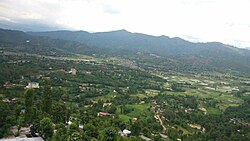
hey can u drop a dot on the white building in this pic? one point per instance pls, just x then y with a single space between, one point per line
73 71
33 85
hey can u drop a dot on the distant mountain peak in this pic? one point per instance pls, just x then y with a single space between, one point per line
117 31
122 30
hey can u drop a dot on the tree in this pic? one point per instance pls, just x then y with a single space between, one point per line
136 128
91 131
177 87
46 128
20 122
61 133
29 100
110 134
17 111
47 100
72 128
112 109
59 112
5 111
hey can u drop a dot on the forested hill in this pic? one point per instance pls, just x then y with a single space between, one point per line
195 56
13 36
161 45
19 41
149 51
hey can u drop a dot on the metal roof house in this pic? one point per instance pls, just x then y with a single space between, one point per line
33 85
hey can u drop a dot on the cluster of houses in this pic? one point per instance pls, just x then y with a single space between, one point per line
10 85
18 61
30 85
22 139
24 135
73 71
237 121
164 137
157 109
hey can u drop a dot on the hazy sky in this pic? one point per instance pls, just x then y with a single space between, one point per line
226 21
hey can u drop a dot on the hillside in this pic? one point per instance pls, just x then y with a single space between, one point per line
147 52
18 41
212 55
12 36
162 45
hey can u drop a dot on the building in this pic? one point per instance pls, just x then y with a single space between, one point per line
13 100
195 126
87 72
145 138
73 71
125 132
22 111
102 114
189 110
33 85
69 122
165 137
23 139
142 102
106 104
80 126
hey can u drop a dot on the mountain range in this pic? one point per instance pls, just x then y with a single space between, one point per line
161 45
127 44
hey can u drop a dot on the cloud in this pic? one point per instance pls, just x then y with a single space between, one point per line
191 38
30 14
31 26
208 20
109 9
5 19
197 2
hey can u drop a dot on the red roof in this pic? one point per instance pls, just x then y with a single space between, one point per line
103 114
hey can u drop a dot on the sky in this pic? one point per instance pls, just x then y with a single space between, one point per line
225 21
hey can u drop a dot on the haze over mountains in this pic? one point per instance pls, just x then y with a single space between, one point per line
162 45
122 42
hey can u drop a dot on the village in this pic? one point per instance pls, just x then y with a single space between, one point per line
90 99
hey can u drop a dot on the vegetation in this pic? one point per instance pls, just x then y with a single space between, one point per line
156 97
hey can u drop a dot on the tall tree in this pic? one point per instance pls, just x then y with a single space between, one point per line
46 128
59 112
17 111
29 100
5 111
47 100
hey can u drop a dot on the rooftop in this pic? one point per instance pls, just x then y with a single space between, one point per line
34 82
24 139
